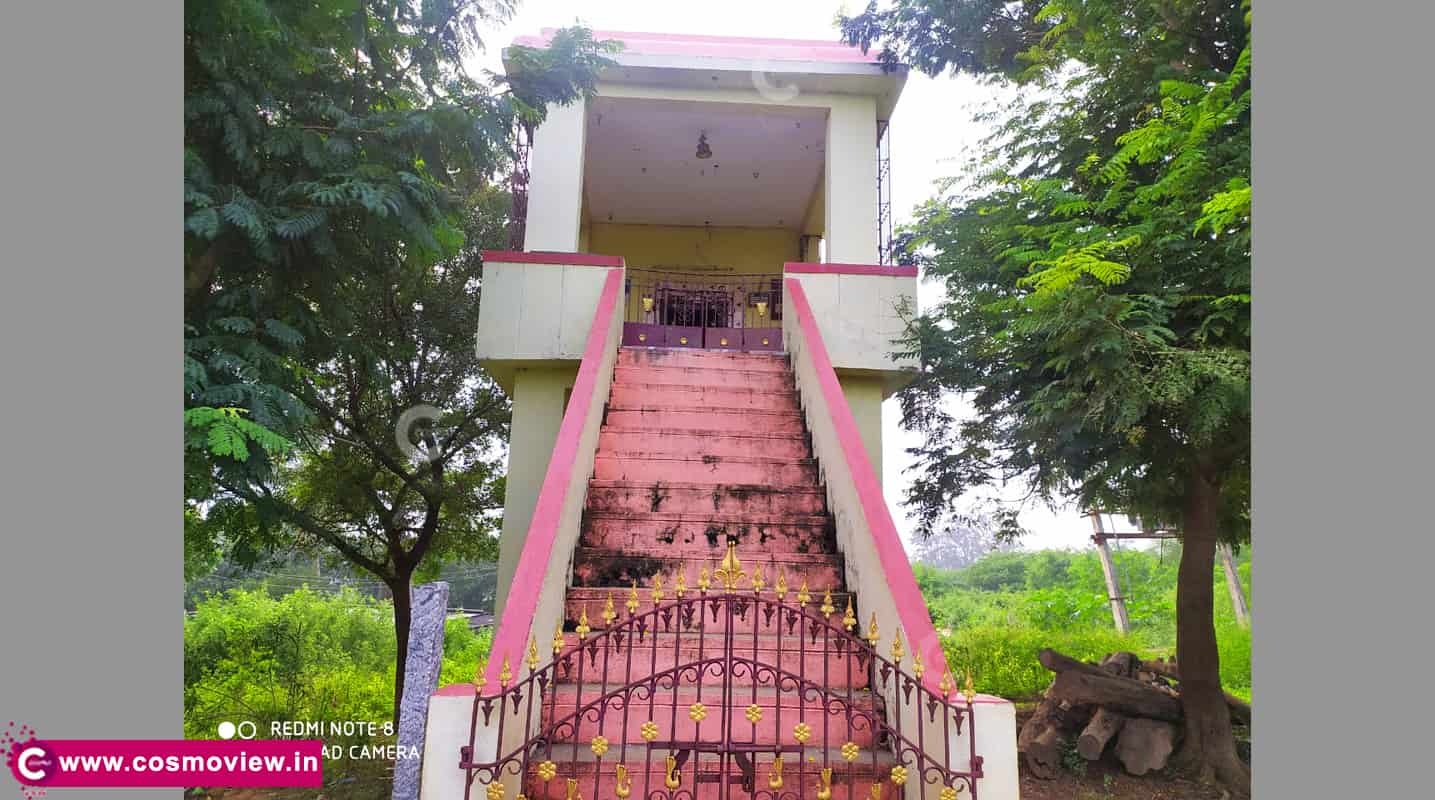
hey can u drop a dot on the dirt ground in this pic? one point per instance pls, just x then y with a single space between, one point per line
1103 782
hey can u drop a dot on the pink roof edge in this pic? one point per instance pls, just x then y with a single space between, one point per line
703 45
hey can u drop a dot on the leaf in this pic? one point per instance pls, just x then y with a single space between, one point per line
203 223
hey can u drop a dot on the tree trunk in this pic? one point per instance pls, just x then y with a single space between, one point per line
1132 698
403 618
1209 748
1040 739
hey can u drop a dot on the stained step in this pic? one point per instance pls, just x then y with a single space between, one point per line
598 567
725 420
596 777
778 473
756 379
593 598
703 498
704 359
704 534
675 723
670 396
681 441
802 656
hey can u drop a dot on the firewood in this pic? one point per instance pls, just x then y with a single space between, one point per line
1145 745
1240 709
1121 664
1103 725
1123 695
1040 739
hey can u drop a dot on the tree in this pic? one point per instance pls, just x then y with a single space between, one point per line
964 538
1096 263
333 151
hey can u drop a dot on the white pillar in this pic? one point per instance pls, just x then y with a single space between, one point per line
555 180
851 181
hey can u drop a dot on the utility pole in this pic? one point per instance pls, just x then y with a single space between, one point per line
1233 583
1108 568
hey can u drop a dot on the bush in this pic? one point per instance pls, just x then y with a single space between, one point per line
1002 659
305 656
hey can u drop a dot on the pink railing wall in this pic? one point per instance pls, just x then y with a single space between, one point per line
535 602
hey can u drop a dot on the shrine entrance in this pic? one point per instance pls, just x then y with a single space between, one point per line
710 311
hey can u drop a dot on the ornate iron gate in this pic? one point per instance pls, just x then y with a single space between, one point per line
723 694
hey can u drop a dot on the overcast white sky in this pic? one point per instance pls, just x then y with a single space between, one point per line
931 128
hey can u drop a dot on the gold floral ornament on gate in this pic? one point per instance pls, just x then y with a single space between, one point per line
899 775
801 732
697 712
599 745
730 571
949 793
649 731
754 713
850 752
495 790
547 770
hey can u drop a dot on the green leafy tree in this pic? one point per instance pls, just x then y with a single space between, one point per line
339 166
1096 266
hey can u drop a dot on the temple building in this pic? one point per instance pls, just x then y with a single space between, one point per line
701 589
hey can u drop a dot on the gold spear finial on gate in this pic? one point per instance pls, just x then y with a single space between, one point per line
803 595
757 581
849 617
532 654
969 690
703 582
827 608
558 643
730 570
947 685
632 604
506 674
917 667
609 614
897 652
872 634
680 584
657 589
781 588
583 628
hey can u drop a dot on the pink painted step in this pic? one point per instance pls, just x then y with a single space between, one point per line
702 359
725 420
769 729
593 598
800 776
778 473
671 396
703 498
596 567
680 441
704 534
843 669
755 379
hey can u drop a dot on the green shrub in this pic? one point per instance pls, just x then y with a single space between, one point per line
305 656
1002 659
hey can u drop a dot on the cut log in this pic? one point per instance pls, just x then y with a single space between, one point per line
1103 725
1123 695
1240 709
1040 740
1121 664
1144 745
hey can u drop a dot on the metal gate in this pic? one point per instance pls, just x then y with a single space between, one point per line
722 693
714 311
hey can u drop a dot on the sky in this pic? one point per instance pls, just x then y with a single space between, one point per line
931 130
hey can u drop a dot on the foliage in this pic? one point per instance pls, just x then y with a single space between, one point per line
994 628
1096 268
302 656
339 169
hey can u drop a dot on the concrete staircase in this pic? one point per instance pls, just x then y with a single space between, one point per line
700 448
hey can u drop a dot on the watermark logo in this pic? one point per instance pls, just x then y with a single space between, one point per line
31 761
406 435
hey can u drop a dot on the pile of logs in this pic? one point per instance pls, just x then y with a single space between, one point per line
1123 700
